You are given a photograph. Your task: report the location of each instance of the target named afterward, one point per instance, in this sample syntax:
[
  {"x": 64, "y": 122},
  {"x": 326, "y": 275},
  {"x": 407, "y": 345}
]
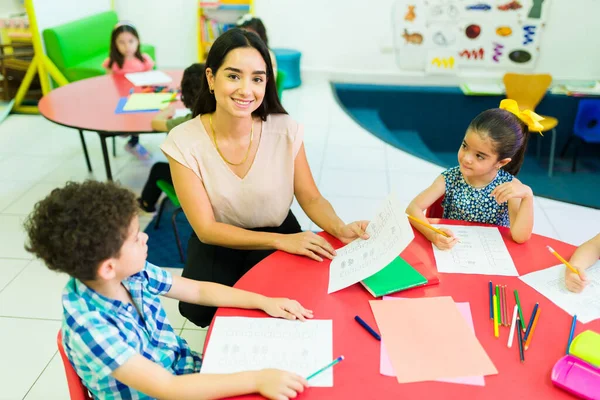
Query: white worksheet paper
[
  {"x": 249, "y": 344},
  {"x": 390, "y": 233},
  {"x": 148, "y": 78},
  {"x": 550, "y": 282},
  {"x": 480, "y": 250}
]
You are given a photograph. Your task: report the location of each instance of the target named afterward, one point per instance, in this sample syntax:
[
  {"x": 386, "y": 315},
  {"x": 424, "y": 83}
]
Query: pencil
[
  {"x": 562, "y": 260},
  {"x": 571, "y": 333},
  {"x": 502, "y": 317},
  {"x": 521, "y": 352},
  {"x": 496, "y": 333},
  {"x": 418, "y": 221},
  {"x": 537, "y": 316},
  {"x": 491, "y": 290},
  {"x": 506, "y": 307},
  {"x": 530, "y": 324},
  {"x": 171, "y": 99},
  {"x": 331, "y": 364},
  {"x": 513, "y": 327},
  {"x": 520, "y": 310},
  {"x": 498, "y": 305}
]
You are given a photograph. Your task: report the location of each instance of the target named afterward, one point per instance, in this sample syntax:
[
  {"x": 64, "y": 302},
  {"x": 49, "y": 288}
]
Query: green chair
[
  {"x": 78, "y": 48},
  {"x": 279, "y": 81},
  {"x": 170, "y": 194}
]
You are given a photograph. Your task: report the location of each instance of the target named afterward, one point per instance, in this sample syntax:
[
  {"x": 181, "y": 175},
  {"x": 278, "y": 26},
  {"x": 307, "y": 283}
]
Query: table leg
[
  {"x": 85, "y": 151},
  {"x": 114, "y": 140},
  {"x": 105, "y": 155},
  {"x": 552, "y": 149}
]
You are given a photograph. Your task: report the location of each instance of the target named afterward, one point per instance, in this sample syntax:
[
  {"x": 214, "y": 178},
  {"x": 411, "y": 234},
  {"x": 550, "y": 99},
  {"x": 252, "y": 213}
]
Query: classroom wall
[
  {"x": 51, "y": 13},
  {"x": 11, "y": 7}
]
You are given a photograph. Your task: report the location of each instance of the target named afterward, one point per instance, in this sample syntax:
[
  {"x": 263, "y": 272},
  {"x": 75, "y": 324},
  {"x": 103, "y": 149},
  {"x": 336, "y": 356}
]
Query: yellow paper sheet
[
  {"x": 428, "y": 339},
  {"x": 147, "y": 101}
]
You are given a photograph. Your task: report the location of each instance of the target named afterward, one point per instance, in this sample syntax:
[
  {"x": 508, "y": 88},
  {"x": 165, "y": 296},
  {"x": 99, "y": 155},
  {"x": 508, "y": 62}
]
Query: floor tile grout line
[
  {"x": 16, "y": 276},
  {"x": 30, "y": 318},
  {"x": 40, "y": 375}
]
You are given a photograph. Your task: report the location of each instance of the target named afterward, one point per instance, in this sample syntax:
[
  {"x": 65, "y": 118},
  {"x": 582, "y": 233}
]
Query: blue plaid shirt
[{"x": 101, "y": 334}]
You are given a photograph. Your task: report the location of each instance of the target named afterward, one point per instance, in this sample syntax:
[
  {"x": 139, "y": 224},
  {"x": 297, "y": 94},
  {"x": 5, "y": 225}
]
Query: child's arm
[
  {"x": 150, "y": 378},
  {"x": 159, "y": 122},
  {"x": 583, "y": 258},
  {"x": 423, "y": 201},
  {"x": 216, "y": 295},
  {"x": 520, "y": 208}
]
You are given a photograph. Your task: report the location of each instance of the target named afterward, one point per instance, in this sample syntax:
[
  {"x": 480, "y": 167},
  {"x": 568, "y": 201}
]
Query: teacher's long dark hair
[{"x": 231, "y": 40}]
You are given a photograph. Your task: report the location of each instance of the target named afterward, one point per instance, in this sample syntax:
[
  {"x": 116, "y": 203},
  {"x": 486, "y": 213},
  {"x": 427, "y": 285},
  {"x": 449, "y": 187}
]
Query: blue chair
[
  {"x": 586, "y": 128},
  {"x": 288, "y": 61}
]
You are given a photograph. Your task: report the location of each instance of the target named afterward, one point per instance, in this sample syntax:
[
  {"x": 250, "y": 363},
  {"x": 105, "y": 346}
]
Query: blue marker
[
  {"x": 571, "y": 333},
  {"x": 331, "y": 364},
  {"x": 367, "y": 327}
]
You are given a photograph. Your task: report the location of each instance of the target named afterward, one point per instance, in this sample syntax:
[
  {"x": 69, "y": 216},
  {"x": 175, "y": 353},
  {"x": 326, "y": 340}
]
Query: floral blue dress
[{"x": 464, "y": 202}]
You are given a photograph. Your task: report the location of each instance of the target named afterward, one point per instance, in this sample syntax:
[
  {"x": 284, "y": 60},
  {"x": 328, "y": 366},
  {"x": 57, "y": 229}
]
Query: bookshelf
[{"x": 216, "y": 17}]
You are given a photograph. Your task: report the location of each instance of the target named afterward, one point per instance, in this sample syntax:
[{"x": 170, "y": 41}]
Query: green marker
[
  {"x": 520, "y": 312},
  {"x": 331, "y": 364}
]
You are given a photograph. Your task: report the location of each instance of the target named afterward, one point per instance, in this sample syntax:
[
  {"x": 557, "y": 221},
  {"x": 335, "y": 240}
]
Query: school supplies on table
[
  {"x": 249, "y": 344},
  {"x": 491, "y": 301},
  {"x": 146, "y": 101},
  {"x": 562, "y": 260},
  {"x": 520, "y": 336},
  {"x": 579, "y": 372},
  {"x": 513, "y": 327},
  {"x": 530, "y": 332},
  {"x": 531, "y": 319},
  {"x": 425, "y": 224},
  {"x": 496, "y": 331},
  {"x": 396, "y": 276},
  {"x": 389, "y": 234},
  {"x": 550, "y": 282},
  {"x": 438, "y": 337},
  {"x": 149, "y": 78},
  {"x": 385, "y": 365},
  {"x": 481, "y": 250},
  {"x": 367, "y": 327},
  {"x": 571, "y": 332},
  {"x": 331, "y": 364},
  {"x": 518, "y": 302}
]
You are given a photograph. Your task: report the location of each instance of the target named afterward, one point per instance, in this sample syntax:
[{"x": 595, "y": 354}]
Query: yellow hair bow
[{"x": 531, "y": 119}]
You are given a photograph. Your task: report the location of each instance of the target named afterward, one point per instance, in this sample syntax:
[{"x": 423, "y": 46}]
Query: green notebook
[{"x": 396, "y": 276}]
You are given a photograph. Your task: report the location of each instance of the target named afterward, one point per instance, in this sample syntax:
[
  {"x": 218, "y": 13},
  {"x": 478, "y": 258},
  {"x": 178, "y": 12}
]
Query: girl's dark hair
[
  {"x": 114, "y": 55},
  {"x": 508, "y": 134},
  {"x": 228, "y": 41},
  {"x": 256, "y": 25},
  {"x": 191, "y": 83}
]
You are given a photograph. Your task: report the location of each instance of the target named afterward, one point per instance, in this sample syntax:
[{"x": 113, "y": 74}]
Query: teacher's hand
[
  {"x": 306, "y": 244},
  {"x": 352, "y": 231}
]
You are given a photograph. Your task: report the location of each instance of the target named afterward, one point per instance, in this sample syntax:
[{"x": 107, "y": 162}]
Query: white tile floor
[{"x": 354, "y": 170}]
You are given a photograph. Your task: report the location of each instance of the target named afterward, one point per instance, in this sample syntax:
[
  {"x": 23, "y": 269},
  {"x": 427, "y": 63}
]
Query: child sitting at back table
[
  {"x": 115, "y": 331},
  {"x": 483, "y": 188},
  {"x": 584, "y": 257},
  {"x": 125, "y": 57}
]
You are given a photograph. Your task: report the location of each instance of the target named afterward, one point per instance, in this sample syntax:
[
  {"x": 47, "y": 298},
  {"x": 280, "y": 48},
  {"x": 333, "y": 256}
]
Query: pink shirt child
[{"x": 131, "y": 65}]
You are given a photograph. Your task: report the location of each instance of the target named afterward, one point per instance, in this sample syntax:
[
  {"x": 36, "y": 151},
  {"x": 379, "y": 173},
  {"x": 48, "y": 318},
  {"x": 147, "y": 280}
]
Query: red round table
[
  {"x": 89, "y": 105},
  {"x": 358, "y": 377}
]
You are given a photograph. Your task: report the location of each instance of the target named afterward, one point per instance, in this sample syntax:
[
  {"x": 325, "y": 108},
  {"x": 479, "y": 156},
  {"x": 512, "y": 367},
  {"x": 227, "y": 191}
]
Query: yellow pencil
[
  {"x": 496, "y": 333},
  {"x": 418, "y": 221},
  {"x": 562, "y": 260}
]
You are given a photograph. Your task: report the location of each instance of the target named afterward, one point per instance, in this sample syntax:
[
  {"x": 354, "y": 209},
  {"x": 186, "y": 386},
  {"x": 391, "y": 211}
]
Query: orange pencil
[
  {"x": 537, "y": 316},
  {"x": 562, "y": 260}
]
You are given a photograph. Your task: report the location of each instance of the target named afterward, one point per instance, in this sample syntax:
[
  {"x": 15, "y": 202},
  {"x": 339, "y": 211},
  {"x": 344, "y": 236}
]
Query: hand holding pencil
[
  {"x": 444, "y": 239},
  {"x": 575, "y": 279}
]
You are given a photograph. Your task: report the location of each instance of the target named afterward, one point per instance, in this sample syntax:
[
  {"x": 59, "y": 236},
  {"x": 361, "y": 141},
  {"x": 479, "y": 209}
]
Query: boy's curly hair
[
  {"x": 77, "y": 227},
  {"x": 191, "y": 83}
]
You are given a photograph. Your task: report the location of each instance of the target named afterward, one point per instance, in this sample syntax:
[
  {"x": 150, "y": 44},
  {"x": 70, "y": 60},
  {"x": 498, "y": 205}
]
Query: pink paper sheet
[{"x": 385, "y": 365}]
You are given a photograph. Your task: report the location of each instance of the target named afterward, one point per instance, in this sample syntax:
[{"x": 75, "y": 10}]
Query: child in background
[
  {"x": 584, "y": 257},
  {"x": 483, "y": 188},
  {"x": 115, "y": 331},
  {"x": 253, "y": 24},
  {"x": 125, "y": 57},
  {"x": 164, "y": 122}
]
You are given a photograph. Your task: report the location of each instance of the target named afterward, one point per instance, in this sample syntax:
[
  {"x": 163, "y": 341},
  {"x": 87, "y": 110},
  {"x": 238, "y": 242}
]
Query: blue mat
[{"x": 162, "y": 246}]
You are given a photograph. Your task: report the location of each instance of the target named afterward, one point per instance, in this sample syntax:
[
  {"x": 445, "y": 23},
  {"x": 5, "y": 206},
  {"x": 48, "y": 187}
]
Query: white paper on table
[
  {"x": 390, "y": 233},
  {"x": 181, "y": 112},
  {"x": 481, "y": 250},
  {"x": 148, "y": 78},
  {"x": 248, "y": 344},
  {"x": 550, "y": 282},
  {"x": 385, "y": 364}
]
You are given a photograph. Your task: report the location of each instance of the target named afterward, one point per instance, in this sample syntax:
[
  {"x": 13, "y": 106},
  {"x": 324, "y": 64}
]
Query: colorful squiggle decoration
[
  {"x": 529, "y": 33},
  {"x": 497, "y": 51},
  {"x": 475, "y": 54},
  {"x": 443, "y": 62}
]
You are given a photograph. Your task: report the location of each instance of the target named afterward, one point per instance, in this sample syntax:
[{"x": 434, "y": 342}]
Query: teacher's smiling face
[{"x": 240, "y": 82}]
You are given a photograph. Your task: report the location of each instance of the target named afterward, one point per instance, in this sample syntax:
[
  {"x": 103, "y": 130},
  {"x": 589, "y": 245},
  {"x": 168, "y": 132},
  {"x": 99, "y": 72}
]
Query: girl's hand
[
  {"x": 511, "y": 190},
  {"x": 350, "y": 232},
  {"x": 306, "y": 244},
  {"x": 573, "y": 282},
  {"x": 275, "y": 384},
  {"x": 286, "y": 308},
  {"x": 442, "y": 242}
]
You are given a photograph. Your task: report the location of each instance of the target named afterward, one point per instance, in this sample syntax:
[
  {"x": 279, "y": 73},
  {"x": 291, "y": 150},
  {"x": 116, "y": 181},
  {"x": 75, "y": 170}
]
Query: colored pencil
[
  {"x": 520, "y": 310},
  {"x": 506, "y": 307},
  {"x": 367, "y": 327},
  {"x": 498, "y": 305},
  {"x": 571, "y": 333},
  {"x": 171, "y": 99},
  {"x": 331, "y": 364},
  {"x": 491, "y": 299},
  {"x": 502, "y": 316},
  {"x": 418, "y": 221},
  {"x": 496, "y": 333},
  {"x": 513, "y": 326},
  {"x": 535, "y": 320},
  {"x": 521, "y": 352},
  {"x": 530, "y": 324},
  {"x": 562, "y": 260}
]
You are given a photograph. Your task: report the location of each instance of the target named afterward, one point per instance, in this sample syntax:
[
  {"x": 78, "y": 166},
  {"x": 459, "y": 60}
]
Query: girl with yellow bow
[{"x": 483, "y": 187}]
